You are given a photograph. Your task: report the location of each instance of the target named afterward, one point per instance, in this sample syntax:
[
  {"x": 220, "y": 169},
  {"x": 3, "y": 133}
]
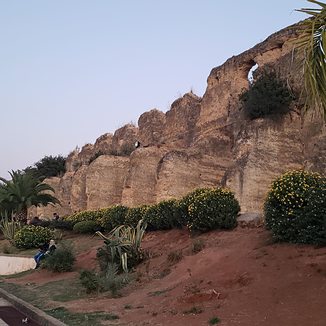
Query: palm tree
[
  {"x": 312, "y": 42},
  {"x": 23, "y": 191}
]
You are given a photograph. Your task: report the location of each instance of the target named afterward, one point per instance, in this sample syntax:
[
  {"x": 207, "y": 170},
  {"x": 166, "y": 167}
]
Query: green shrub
[
  {"x": 61, "y": 224},
  {"x": 295, "y": 208},
  {"x": 90, "y": 281},
  {"x": 214, "y": 209},
  {"x": 267, "y": 96},
  {"x": 183, "y": 204},
  {"x": 113, "y": 217},
  {"x": 135, "y": 214},
  {"x": 31, "y": 236},
  {"x": 162, "y": 216},
  {"x": 86, "y": 227},
  {"x": 86, "y": 216},
  {"x": 57, "y": 224},
  {"x": 62, "y": 260},
  {"x": 108, "y": 280}
]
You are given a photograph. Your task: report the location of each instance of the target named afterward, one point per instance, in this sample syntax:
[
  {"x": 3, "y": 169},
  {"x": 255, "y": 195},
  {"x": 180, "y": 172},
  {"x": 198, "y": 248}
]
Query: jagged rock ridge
[{"x": 199, "y": 142}]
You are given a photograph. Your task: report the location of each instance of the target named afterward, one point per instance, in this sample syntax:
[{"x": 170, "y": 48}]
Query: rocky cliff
[{"x": 199, "y": 142}]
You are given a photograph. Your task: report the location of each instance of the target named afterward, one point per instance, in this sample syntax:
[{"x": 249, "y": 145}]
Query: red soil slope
[{"x": 240, "y": 276}]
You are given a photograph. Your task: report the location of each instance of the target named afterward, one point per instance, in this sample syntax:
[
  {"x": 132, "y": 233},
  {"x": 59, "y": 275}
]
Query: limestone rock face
[
  {"x": 103, "y": 144},
  {"x": 181, "y": 120},
  {"x": 78, "y": 198},
  {"x": 105, "y": 179},
  {"x": 72, "y": 161},
  {"x": 151, "y": 126},
  {"x": 141, "y": 181},
  {"x": 200, "y": 142},
  {"x": 262, "y": 152},
  {"x": 123, "y": 141}
]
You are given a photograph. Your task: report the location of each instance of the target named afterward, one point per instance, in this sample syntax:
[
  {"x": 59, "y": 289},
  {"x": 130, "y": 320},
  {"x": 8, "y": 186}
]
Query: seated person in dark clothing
[
  {"x": 52, "y": 248},
  {"x": 45, "y": 250},
  {"x": 36, "y": 221},
  {"x": 42, "y": 250}
]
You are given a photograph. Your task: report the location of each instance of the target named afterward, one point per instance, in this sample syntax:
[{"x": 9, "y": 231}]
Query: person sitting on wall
[
  {"x": 40, "y": 254},
  {"x": 45, "y": 250},
  {"x": 52, "y": 248},
  {"x": 55, "y": 216}
]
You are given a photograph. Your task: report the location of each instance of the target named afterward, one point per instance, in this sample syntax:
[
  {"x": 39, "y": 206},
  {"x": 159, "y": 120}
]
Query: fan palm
[
  {"x": 313, "y": 44},
  {"x": 23, "y": 191}
]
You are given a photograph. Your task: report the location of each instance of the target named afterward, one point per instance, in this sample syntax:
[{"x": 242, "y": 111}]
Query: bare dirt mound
[{"x": 240, "y": 277}]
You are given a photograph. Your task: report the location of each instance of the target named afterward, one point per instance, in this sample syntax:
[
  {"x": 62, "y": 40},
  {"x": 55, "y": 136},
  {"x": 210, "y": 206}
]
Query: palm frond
[{"x": 312, "y": 42}]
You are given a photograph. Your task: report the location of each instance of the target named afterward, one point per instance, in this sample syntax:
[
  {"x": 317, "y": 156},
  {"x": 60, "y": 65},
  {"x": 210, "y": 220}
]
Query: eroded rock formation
[{"x": 199, "y": 142}]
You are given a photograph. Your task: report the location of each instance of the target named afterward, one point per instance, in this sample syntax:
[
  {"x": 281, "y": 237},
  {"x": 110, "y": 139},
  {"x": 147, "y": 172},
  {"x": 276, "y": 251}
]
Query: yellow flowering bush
[
  {"x": 162, "y": 216},
  {"x": 31, "y": 236},
  {"x": 135, "y": 214},
  {"x": 114, "y": 216},
  {"x": 213, "y": 209},
  {"x": 183, "y": 204},
  {"x": 295, "y": 208},
  {"x": 95, "y": 215}
]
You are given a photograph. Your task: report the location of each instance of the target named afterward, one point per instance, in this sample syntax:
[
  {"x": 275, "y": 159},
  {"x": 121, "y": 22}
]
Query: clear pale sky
[{"x": 72, "y": 70}]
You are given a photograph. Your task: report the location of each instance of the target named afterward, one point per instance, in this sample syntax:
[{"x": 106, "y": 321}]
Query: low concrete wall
[{"x": 12, "y": 265}]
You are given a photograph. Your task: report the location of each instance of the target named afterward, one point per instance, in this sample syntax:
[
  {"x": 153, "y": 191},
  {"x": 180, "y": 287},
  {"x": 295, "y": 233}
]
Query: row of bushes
[
  {"x": 201, "y": 210},
  {"x": 295, "y": 211}
]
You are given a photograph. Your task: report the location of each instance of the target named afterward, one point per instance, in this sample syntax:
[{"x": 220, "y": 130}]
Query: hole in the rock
[{"x": 251, "y": 73}]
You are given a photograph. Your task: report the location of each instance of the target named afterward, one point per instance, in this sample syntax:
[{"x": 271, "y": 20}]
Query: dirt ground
[{"x": 240, "y": 277}]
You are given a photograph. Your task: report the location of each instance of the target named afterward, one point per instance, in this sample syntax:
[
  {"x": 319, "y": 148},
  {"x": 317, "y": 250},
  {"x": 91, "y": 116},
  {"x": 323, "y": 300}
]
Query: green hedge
[
  {"x": 113, "y": 217},
  {"x": 295, "y": 208},
  {"x": 31, "y": 236},
  {"x": 135, "y": 214},
  {"x": 95, "y": 215},
  {"x": 162, "y": 216},
  {"x": 183, "y": 205},
  {"x": 86, "y": 227},
  {"x": 213, "y": 209}
]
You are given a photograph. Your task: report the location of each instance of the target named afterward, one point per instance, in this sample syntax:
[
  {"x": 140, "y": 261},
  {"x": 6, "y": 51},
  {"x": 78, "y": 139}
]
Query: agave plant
[
  {"x": 313, "y": 44},
  {"x": 124, "y": 242},
  {"x": 9, "y": 227}
]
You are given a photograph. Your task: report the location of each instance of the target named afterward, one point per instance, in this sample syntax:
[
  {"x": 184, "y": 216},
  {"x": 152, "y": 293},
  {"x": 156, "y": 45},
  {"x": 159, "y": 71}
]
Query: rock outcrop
[{"x": 199, "y": 142}]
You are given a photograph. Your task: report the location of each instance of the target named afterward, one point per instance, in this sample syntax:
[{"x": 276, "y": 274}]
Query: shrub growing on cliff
[
  {"x": 295, "y": 208},
  {"x": 267, "y": 96},
  {"x": 214, "y": 209},
  {"x": 31, "y": 236}
]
